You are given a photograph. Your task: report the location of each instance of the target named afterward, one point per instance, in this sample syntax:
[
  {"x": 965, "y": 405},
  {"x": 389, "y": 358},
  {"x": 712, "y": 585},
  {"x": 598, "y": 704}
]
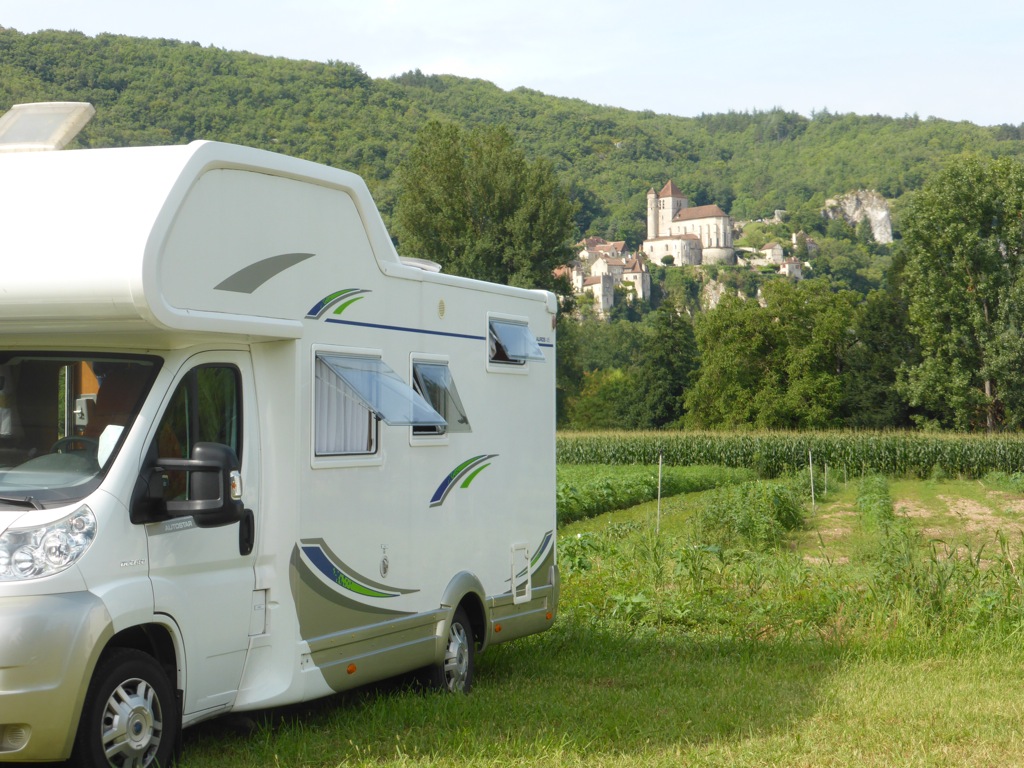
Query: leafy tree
[
  {"x": 777, "y": 366},
  {"x": 569, "y": 369},
  {"x": 605, "y": 344},
  {"x": 735, "y": 343},
  {"x": 627, "y": 306},
  {"x": 839, "y": 229},
  {"x": 682, "y": 287},
  {"x": 865, "y": 234},
  {"x": 474, "y": 203},
  {"x": 664, "y": 369},
  {"x": 848, "y": 265},
  {"x": 603, "y": 402},
  {"x": 963, "y": 236},
  {"x": 816, "y": 322},
  {"x": 881, "y": 344}
]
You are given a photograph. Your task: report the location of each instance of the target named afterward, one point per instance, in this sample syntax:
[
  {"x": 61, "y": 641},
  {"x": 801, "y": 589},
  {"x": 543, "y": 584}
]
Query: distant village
[{"x": 677, "y": 235}]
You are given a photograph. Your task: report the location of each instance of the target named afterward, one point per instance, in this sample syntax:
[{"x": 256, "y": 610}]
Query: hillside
[{"x": 152, "y": 91}]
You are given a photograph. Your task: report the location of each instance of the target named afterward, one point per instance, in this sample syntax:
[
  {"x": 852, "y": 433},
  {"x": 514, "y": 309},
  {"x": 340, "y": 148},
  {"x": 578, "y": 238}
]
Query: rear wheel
[
  {"x": 129, "y": 719},
  {"x": 455, "y": 672}
]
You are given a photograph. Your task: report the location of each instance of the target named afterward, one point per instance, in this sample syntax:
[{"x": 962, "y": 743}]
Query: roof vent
[
  {"x": 43, "y": 126},
  {"x": 425, "y": 264}
]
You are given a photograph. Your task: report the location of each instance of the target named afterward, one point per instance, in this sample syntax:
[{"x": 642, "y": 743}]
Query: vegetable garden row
[{"x": 770, "y": 454}]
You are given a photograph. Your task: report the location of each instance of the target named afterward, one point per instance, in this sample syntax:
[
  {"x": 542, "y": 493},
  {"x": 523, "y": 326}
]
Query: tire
[
  {"x": 130, "y": 717},
  {"x": 454, "y": 673}
]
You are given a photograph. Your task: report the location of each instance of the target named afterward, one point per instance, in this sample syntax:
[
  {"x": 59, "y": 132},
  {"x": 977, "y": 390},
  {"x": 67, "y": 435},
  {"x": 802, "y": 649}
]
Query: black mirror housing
[{"x": 212, "y": 471}]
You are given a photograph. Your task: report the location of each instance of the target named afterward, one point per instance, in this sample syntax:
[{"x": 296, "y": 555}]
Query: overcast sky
[{"x": 962, "y": 61}]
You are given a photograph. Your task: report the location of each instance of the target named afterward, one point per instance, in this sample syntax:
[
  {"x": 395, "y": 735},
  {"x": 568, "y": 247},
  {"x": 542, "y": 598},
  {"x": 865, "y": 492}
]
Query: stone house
[
  {"x": 772, "y": 253},
  {"x": 792, "y": 268},
  {"x": 602, "y": 267},
  {"x": 636, "y": 274}
]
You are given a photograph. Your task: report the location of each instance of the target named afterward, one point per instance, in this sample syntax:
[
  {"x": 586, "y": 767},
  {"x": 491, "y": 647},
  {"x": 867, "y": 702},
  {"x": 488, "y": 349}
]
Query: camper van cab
[{"x": 249, "y": 456}]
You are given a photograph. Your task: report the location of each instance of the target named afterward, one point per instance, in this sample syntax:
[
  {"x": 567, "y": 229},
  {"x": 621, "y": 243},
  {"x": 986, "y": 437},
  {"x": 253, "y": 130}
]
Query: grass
[
  {"x": 882, "y": 630},
  {"x": 596, "y": 700}
]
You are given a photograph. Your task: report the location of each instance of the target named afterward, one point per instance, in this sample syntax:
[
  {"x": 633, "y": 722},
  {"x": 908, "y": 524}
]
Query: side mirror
[{"x": 214, "y": 486}]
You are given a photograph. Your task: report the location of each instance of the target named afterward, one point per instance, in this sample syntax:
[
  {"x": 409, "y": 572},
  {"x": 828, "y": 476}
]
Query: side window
[
  {"x": 434, "y": 381},
  {"x": 344, "y": 425},
  {"x": 206, "y": 407},
  {"x": 353, "y": 394},
  {"x": 511, "y": 342}
]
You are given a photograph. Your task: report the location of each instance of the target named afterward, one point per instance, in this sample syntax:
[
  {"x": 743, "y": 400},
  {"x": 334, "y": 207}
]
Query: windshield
[{"x": 62, "y": 417}]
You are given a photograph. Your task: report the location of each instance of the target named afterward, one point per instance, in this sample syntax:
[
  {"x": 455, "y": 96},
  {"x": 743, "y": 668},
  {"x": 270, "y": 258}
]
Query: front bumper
[{"x": 48, "y": 648}]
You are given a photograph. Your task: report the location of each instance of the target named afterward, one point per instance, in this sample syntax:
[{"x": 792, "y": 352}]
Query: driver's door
[{"x": 203, "y": 578}]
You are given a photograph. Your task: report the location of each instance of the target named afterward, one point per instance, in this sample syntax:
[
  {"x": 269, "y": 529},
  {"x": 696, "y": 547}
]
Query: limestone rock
[{"x": 856, "y": 206}]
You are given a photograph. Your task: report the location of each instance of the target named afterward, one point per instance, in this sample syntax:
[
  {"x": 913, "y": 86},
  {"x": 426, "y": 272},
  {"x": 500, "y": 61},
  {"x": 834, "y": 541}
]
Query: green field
[{"x": 880, "y": 627}]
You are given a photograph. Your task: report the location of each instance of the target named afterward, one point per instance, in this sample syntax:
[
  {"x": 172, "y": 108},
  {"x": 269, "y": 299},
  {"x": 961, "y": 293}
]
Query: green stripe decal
[{"x": 474, "y": 473}]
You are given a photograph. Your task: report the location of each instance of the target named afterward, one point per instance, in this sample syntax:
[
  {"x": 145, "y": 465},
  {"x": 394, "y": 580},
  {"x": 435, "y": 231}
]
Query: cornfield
[{"x": 770, "y": 454}]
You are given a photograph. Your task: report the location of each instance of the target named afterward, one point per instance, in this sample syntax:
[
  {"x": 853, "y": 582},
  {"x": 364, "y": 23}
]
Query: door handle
[{"x": 246, "y": 532}]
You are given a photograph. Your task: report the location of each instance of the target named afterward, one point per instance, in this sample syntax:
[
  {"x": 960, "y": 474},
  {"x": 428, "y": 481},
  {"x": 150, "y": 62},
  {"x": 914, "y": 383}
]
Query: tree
[
  {"x": 780, "y": 366},
  {"x": 848, "y": 265},
  {"x": 881, "y": 344},
  {"x": 603, "y": 401},
  {"x": 963, "y": 237},
  {"x": 665, "y": 365},
  {"x": 735, "y": 342},
  {"x": 472, "y": 202}
]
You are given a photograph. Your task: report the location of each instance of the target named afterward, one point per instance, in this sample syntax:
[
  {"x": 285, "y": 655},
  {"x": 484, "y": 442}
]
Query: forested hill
[{"x": 150, "y": 91}]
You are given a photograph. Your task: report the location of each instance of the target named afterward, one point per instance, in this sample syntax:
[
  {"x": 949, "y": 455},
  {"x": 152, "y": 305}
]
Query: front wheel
[
  {"x": 455, "y": 672},
  {"x": 129, "y": 719}
]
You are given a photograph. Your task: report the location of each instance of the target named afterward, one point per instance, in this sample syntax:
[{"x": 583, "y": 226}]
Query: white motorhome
[{"x": 249, "y": 456}]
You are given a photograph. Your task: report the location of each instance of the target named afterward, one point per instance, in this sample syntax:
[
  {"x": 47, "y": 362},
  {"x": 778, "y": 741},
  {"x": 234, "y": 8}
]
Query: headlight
[{"x": 31, "y": 553}]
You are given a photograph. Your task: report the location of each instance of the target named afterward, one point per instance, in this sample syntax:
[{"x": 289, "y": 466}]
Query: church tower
[
  {"x": 652, "y": 214},
  {"x": 670, "y": 202}
]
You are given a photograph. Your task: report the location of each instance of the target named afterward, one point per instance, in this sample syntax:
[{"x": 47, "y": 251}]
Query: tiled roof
[
  {"x": 671, "y": 190},
  {"x": 700, "y": 212}
]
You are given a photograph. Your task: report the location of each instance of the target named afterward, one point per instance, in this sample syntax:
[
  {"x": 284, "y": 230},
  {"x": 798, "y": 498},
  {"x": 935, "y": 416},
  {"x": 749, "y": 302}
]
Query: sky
[{"x": 962, "y": 61}]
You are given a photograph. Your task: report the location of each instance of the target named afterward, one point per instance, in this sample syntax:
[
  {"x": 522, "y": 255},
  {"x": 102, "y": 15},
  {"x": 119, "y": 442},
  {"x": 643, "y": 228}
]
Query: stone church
[{"x": 698, "y": 235}]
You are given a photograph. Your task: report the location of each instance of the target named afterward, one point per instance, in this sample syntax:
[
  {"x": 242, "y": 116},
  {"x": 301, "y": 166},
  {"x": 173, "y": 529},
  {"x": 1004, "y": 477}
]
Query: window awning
[
  {"x": 383, "y": 391},
  {"x": 517, "y": 340},
  {"x": 437, "y": 385}
]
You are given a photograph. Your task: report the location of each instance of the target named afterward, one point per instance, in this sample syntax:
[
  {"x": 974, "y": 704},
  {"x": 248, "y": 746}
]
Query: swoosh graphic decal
[
  {"x": 248, "y": 279},
  {"x": 344, "y": 298},
  {"x": 465, "y": 473},
  {"x": 322, "y": 560}
]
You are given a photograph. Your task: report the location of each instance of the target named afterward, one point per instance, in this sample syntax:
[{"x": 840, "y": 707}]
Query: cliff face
[{"x": 856, "y": 206}]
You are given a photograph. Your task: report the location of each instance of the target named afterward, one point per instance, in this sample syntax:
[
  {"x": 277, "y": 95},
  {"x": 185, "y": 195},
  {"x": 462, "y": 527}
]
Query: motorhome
[{"x": 249, "y": 455}]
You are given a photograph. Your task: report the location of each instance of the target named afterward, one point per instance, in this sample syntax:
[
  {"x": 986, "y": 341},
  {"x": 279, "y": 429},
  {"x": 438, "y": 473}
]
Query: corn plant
[{"x": 771, "y": 454}]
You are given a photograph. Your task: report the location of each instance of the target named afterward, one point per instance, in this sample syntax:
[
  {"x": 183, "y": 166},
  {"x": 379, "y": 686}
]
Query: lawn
[{"x": 883, "y": 630}]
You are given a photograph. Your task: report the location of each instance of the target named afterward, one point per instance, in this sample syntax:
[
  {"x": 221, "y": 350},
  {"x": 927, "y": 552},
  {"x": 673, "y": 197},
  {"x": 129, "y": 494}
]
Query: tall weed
[
  {"x": 754, "y": 515},
  {"x": 935, "y": 586}
]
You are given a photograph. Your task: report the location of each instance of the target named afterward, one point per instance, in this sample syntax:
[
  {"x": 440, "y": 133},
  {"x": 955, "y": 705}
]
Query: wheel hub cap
[{"x": 132, "y": 724}]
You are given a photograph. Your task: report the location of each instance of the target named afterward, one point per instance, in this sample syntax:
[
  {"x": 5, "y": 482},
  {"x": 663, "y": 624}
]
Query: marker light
[{"x": 32, "y": 553}]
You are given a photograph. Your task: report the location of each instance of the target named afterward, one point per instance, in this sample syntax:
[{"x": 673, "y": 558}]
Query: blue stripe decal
[
  {"x": 417, "y": 330},
  {"x": 323, "y": 563}
]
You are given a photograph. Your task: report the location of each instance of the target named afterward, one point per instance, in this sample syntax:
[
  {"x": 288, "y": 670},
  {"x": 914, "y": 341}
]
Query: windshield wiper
[{"x": 22, "y": 501}]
